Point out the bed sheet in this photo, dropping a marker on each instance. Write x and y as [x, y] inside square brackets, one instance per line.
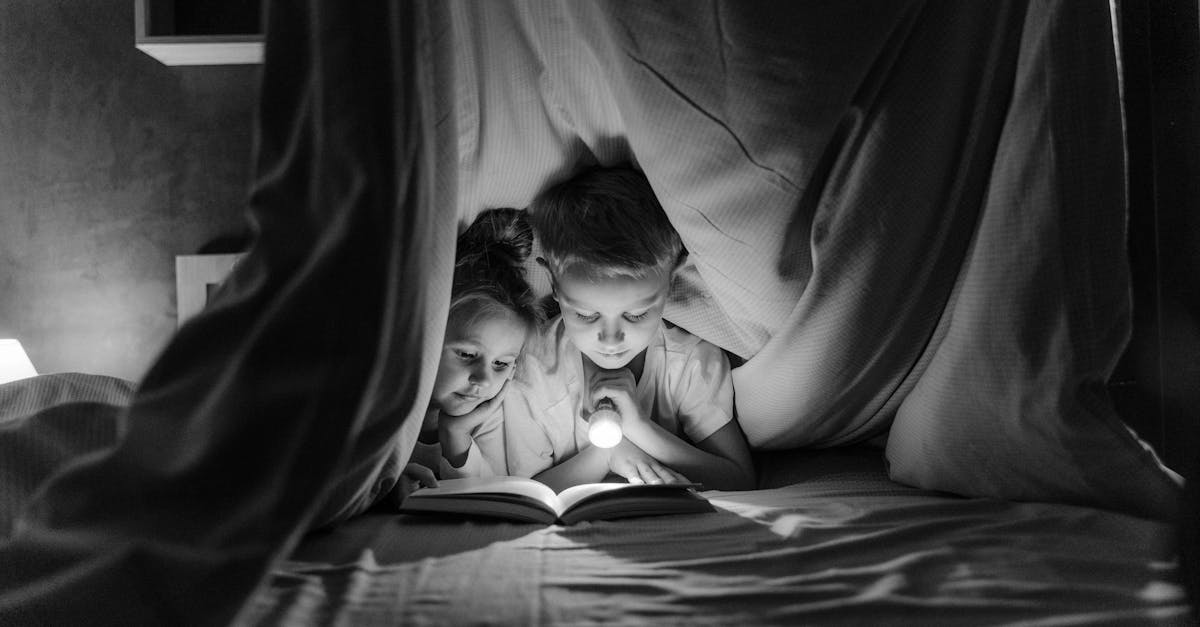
[840, 545]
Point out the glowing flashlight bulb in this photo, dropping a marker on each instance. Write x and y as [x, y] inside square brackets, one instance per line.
[604, 425]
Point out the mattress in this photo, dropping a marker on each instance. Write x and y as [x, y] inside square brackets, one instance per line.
[828, 539]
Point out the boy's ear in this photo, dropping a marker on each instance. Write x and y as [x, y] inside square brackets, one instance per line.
[679, 261]
[553, 284]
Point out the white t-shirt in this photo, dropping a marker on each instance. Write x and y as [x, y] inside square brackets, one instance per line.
[685, 387]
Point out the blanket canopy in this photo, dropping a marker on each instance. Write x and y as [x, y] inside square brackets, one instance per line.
[905, 220]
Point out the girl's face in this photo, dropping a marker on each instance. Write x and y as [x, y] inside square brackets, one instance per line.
[477, 358]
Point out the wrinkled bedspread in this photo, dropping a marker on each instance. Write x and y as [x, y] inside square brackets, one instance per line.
[845, 546]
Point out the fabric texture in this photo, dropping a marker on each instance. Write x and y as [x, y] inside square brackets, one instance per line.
[1010, 400]
[858, 185]
[841, 545]
[268, 411]
[857, 211]
[50, 421]
[685, 388]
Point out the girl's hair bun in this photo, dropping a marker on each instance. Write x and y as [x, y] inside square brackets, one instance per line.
[497, 235]
[489, 264]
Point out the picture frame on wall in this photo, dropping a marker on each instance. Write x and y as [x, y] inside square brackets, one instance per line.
[196, 278]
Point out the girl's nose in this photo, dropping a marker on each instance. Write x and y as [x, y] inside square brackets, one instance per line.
[480, 377]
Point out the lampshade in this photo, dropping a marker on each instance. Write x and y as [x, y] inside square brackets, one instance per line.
[14, 363]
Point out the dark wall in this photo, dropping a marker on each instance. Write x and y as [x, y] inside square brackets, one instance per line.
[111, 163]
[1161, 370]
[1161, 49]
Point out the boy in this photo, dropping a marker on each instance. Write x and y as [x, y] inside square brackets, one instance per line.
[611, 252]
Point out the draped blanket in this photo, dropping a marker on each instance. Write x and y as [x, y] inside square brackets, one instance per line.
[905, 221]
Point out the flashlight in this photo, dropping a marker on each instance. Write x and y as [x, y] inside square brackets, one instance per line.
[604, 425]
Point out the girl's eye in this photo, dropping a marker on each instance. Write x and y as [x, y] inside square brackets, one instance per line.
[588, 317]
[501, 365]
[635, 317]
[466, 355]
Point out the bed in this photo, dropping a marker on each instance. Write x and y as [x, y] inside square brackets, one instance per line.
[905, 224]
[827, 538]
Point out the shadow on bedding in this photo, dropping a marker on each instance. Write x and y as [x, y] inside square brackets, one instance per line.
[400, 538]
[777, 469]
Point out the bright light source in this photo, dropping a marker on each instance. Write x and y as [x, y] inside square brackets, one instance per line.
[14, 363]
[604, 425]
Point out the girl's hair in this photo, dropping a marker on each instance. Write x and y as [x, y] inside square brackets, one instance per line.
[488, 273]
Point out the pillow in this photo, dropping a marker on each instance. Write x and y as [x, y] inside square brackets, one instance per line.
[49, 421]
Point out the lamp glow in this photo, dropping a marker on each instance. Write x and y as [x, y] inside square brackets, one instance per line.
[604, 425]
[14, 363]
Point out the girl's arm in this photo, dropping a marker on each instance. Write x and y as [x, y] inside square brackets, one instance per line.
[483, 455]
[473, 444]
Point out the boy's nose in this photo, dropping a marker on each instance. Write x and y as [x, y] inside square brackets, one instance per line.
[611, 335]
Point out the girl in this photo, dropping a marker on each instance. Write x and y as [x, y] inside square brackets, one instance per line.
[492, 312]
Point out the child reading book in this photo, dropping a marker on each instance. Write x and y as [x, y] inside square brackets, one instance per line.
[611, 253]
[492, 312]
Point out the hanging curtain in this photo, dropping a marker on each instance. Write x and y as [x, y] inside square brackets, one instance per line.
[308, 364]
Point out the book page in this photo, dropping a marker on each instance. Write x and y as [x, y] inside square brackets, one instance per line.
[577, 494]
[495, 485]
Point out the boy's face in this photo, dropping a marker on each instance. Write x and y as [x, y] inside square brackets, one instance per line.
[476, 360]
[611, 320]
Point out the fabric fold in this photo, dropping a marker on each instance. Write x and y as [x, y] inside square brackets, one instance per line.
[237, 433]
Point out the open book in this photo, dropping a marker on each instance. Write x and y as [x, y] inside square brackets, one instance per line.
[527, 500]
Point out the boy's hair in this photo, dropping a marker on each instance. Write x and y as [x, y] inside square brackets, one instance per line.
[488, 272]
[605, 222]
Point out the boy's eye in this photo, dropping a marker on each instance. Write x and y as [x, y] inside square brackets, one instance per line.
[636, 317]
[587, 317]
[465, 355]
[501, 365]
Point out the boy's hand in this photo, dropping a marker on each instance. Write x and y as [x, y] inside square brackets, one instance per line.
[617, 385]
[636, 466]
[468, 422]
[416, 476]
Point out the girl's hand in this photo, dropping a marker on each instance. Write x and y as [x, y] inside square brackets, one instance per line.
[636, 466]
[617, 385]
[416, 476]
[468, 422]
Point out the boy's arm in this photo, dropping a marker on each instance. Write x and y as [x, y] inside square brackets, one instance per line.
[721, 461]
[593, 464]
[589, 465]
